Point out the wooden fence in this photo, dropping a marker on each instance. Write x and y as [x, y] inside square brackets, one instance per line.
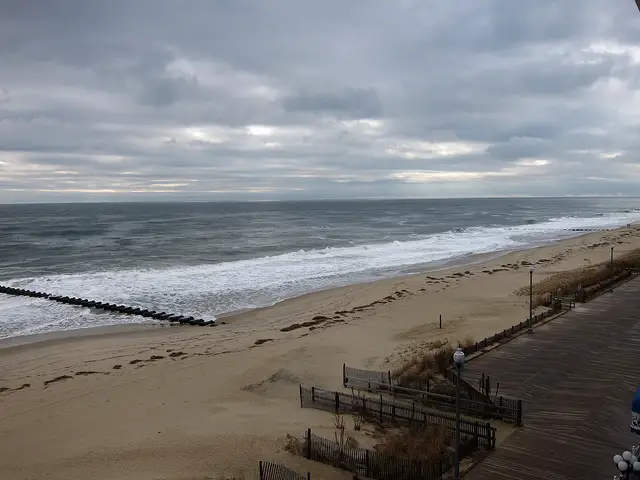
[509, 332]
[274, 471]
[411, 413]
[379, 466]
[472, 402]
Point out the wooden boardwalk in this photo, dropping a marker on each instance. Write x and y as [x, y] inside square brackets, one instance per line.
[576, 375]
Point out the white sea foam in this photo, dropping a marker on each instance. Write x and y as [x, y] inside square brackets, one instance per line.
[208, 290]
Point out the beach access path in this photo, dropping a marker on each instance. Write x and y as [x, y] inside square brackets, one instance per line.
[576, 375]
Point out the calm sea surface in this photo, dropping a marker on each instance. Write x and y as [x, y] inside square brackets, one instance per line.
[206, 259]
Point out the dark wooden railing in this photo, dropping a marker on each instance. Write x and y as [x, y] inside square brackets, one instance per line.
[472, 401]
[409, 413]
[373, 464]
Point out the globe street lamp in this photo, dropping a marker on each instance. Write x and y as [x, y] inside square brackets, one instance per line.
[530, 329]
[628, 464]
[458, 360]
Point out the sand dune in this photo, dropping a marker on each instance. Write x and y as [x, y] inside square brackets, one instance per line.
[191, 403]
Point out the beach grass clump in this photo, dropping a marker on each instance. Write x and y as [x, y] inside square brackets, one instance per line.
[571, 281]
[427, 442]
[423, 366]
[293, 445]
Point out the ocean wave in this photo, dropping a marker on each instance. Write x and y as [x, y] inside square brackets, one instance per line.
[204, 291]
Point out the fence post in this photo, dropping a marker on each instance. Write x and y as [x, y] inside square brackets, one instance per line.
[476, 428]
[366, 462]
[440, 321]
[428, 384]
[308, 443]
[381, 407]
[313, 394]
[344, 374]
[337, 402]
[492, 436]
[520, 419]
[260, 469]
[390, 384]
[308, 476]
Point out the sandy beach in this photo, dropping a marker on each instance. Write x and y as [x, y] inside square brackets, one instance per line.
[195, 403]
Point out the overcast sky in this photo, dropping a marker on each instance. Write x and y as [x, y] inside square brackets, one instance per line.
[280, 99]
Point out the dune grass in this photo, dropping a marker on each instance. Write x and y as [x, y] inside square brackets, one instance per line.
[572, 281]
[427, 442]
[428, 364]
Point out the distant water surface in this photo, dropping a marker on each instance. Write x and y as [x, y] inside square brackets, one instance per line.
[206, 259]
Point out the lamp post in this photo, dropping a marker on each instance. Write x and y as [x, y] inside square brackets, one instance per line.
[458, 360]
[628, 464]
[530, 329]
[611, 270]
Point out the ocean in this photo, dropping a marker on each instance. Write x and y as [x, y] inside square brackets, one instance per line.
[209, 259]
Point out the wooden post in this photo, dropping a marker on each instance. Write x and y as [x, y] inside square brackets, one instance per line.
[344, 374]
[301, 396]
[260, 469]
[308, 443]
[337, 402]
[380, 407]
[440, 321]
[492, 435]
[308, 476]
[389, 379]
[366, 462]
[313, 394]
[520, 414]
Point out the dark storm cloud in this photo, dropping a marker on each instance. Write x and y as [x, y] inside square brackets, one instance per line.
[288, 99]
[351, 103]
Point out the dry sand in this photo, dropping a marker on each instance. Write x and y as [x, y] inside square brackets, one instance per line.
[193, 403]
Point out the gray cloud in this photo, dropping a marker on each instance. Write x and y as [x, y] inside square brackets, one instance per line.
[156, 99]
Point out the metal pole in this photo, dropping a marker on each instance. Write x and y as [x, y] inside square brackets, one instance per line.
[611, 270]
[530, 302]
[611, 263]
[456, 466]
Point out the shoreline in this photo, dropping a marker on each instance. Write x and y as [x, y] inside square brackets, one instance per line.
[230, 317]
[155, 402]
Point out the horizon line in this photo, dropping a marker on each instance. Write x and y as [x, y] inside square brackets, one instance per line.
[320, 199]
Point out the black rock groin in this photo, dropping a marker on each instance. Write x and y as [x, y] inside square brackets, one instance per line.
[110, 307]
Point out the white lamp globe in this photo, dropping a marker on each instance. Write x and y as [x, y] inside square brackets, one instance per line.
[531, 269]
[626, 455]
[636, 466]
[617, 459]
[458, 356]
[622, 466]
